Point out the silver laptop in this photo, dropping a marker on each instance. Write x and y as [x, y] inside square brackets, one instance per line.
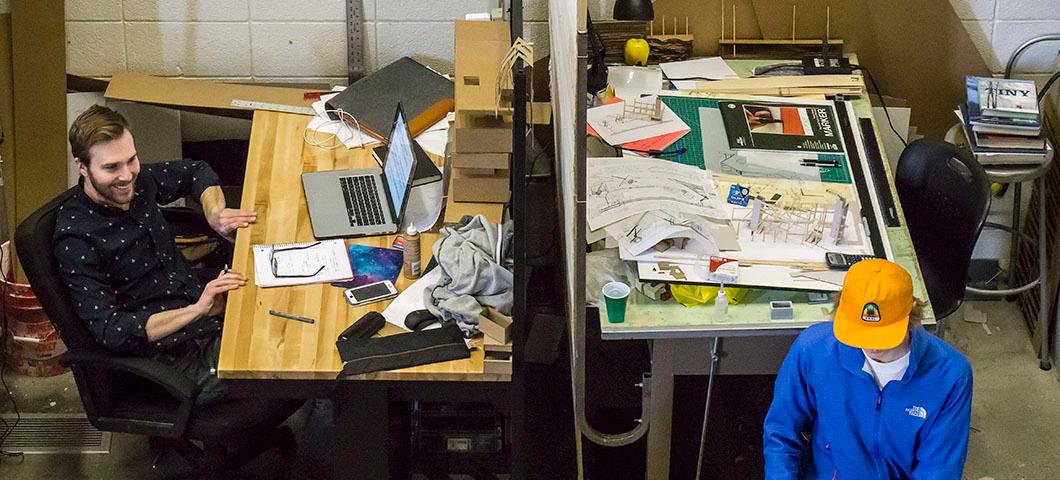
[360, 203]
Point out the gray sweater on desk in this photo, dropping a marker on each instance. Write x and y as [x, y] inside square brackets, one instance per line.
[472, 277]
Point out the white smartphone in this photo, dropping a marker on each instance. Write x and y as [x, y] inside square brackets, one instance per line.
[370, 293]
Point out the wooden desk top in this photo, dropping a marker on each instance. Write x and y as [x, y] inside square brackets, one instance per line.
[258, 345]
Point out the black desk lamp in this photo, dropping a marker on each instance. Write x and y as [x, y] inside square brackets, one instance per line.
[634, 10]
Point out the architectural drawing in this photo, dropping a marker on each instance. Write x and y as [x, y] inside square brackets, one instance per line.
[630, 121]
[618, 188]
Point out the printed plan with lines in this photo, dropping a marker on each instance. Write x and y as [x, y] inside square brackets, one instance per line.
[766, 182]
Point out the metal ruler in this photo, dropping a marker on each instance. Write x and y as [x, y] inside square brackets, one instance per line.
[355, 68]
[275, 107]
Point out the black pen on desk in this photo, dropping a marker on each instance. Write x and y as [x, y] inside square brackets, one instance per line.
[819, 163]
[291, 317]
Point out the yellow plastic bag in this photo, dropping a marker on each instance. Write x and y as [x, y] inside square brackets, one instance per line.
[692, 295]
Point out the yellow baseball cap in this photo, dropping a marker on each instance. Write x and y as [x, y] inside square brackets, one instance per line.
[874, 305]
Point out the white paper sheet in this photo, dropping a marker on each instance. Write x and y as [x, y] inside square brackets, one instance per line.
[411, 299]
[713, 68]
[625, 186]
[764, 276]
[324, 124]
[639, 234]
[433, 139]
[424, 206]
[617, 127]
[292, 262]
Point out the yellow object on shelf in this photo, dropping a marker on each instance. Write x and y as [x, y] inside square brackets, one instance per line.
[692, 295]
[637, 51]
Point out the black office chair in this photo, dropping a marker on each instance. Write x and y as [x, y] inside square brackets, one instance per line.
[945, 195]
[141, 395]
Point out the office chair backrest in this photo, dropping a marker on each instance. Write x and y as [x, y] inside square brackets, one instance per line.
[35, 245]
[945, 196]
[101, 390]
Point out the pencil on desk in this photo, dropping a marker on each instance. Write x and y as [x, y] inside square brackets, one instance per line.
[291, 317]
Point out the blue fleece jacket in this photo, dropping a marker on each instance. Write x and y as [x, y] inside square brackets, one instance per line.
[914, 428]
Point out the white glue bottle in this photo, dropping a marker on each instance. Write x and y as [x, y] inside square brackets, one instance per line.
[721, 302]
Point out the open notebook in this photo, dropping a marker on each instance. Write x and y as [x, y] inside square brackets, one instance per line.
[301, 263]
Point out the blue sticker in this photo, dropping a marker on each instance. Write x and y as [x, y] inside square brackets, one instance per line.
[739, 195]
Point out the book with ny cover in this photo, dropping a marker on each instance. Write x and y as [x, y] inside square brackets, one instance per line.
[783, 127]
[1004, 99]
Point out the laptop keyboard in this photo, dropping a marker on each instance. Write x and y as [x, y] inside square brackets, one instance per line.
[362, 200]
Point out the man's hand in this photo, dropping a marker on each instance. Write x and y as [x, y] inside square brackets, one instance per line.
[227, 220]
[212, 300]
[224, 220]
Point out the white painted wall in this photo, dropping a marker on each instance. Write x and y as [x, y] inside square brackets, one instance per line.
[262, 40]
[999, 26]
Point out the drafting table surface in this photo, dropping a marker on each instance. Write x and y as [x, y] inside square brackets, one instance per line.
[649, 319]
[258, 345]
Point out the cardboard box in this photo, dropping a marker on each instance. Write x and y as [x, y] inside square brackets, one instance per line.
[480, 172]
[485, 133]
[482, 140]
[495, 325]
[491, 161]
[496, 357]
[482, 189]
[480, 48]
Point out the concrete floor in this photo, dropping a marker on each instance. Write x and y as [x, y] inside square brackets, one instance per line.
[1015, 422]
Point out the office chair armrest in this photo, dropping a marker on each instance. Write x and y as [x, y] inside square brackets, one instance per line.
[181, 387]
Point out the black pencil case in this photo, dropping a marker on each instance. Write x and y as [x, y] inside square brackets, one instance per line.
[366, 355]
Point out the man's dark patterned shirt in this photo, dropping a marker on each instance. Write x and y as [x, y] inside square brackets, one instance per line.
[123, 266]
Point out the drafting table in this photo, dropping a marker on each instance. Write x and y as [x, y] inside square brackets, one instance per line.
[266, 355]
[753, 344]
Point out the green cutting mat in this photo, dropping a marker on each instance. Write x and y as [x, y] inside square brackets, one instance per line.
[688, 109]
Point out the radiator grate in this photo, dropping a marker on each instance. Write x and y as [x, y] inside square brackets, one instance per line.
[55, 433]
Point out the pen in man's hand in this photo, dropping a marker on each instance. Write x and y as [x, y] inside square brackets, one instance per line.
[291, 317]
[225, 270]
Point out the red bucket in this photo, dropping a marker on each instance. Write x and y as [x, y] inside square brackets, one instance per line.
[33, 344]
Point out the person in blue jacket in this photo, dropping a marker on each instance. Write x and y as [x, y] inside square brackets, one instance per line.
[870, 395]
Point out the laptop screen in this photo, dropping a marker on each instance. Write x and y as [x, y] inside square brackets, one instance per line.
[399, 162]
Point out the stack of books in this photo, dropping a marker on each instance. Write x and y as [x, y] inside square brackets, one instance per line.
[1002, 121]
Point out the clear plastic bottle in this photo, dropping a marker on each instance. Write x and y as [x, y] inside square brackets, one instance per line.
[411, 257]
[721, 302]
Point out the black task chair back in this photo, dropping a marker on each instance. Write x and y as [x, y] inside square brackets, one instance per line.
[35, 245]
[945, 195]
[141, 395]
[105, 392]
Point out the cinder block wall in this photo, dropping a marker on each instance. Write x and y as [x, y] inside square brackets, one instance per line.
[267, 40]
[304, 40]
[998, 27]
